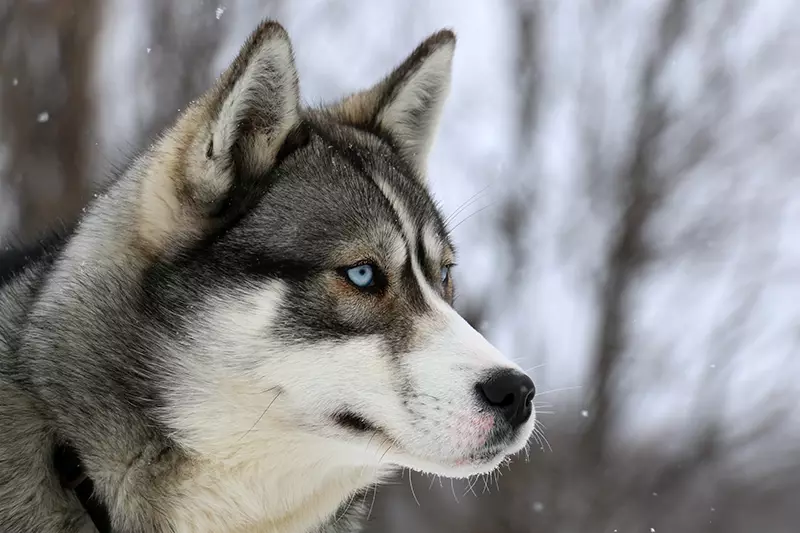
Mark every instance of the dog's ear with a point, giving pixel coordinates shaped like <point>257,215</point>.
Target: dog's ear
<point>256,102</point>
<point>406,105</point>
<point>230,135</point>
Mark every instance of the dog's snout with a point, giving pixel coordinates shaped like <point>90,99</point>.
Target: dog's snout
<point>511,393</point>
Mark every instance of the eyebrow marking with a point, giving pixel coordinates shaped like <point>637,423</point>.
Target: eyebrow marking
<point>399,208</point>
<point>429,296</point>
<point>418,251</point>
<point>433,245</point>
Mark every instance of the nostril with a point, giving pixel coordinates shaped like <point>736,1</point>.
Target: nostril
<point>507,401</point>
<point>529,397</point>
<point>509,392</point>
<point>495,396</point>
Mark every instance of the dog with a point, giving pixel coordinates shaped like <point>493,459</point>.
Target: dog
<point>252,326</point>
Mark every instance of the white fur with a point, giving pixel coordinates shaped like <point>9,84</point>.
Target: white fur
<point>254,465</point>
<point>278,454</point>
<point>255,410</point>
<point>450,357</point>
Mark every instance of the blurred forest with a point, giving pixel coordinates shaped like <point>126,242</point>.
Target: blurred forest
<point>624,182</point>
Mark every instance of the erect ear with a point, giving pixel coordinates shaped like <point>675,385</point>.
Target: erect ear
<point>407,104</point>
<point>224,141</point>
<point>256,101</point>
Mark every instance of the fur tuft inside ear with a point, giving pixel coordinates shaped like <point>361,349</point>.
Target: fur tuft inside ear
<point>407,104</point>
<point>230,135</point>
<point>257,101</point>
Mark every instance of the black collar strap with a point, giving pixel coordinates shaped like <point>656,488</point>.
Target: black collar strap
<point>72,476</point>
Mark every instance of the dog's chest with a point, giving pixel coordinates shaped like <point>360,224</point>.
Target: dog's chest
<point>259,497</point>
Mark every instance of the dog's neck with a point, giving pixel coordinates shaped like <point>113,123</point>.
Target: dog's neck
<point>282,489</point>
<point>262,496</point>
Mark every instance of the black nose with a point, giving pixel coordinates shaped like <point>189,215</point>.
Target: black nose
<point>511,393</point>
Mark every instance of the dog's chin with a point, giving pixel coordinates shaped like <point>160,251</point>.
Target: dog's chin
<point>478,462</point>
<point>460,468</point>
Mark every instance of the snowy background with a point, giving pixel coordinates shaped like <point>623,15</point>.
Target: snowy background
<point>623,179</point>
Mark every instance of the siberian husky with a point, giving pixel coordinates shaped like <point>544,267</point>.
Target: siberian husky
<point>252,326</point>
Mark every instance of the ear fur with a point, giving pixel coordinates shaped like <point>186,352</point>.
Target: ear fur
<point>407,104</point>
<point>233,131</point>
<point>257,100</point>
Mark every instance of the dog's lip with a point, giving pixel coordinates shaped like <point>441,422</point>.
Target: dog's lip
<point>477,458</point>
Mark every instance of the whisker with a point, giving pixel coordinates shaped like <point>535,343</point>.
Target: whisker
<point>470,486</point>
<point>344,513</point>
<point>539,394</point>
<point>262,415</point>
<point>374,492</point>
<point>535,436</point>
<point>484,208</point>
<point>453,489</point>
<point>472,199</point>
<point>535,367</point>
<point>540,433</point>
<point>367,448</point>
<point>388,449</point>
<point>411,484</point>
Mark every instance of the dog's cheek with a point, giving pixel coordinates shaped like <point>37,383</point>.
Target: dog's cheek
<point>323,377</point>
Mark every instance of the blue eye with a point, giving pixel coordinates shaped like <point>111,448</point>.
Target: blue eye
<point>445,274</point>
<point>361,275</point>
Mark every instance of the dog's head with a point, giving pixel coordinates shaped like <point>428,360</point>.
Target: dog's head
<point>314,275</point>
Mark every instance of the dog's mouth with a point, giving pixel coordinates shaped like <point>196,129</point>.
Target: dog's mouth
<point>353,422</point>
<point>487,457</point>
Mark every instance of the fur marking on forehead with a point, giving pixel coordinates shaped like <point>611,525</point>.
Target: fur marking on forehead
<point>399,207</point>
<point>431,241</point>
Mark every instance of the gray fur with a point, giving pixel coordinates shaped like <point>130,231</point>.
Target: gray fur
<point>247,189</point>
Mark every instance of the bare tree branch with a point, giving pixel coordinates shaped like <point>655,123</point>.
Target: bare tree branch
<point>639,196</point>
